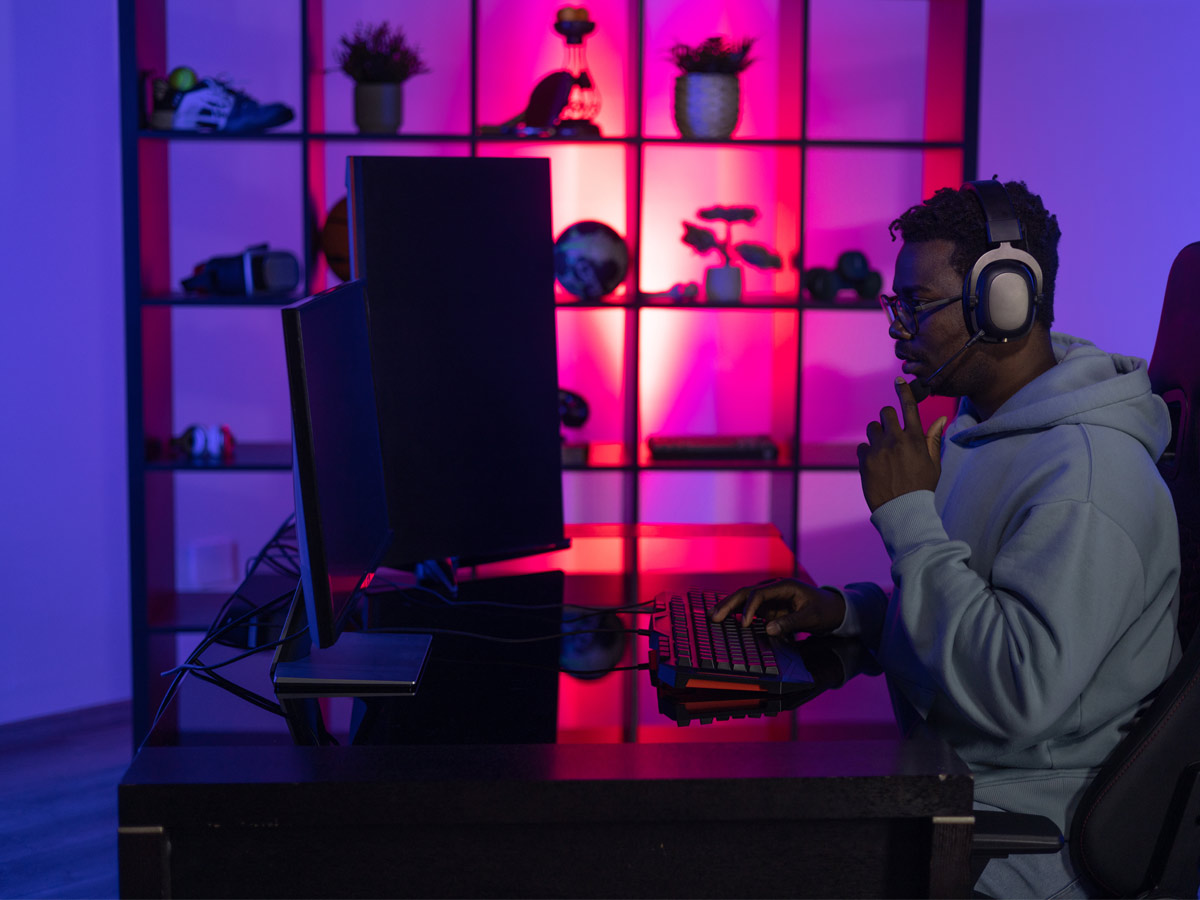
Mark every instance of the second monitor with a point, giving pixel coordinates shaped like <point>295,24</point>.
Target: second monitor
<point>457,256</point>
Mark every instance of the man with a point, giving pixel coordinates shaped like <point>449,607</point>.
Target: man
<point>1034,547</point>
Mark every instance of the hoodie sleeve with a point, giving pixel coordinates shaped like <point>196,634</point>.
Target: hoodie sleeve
<point>1011,654</point>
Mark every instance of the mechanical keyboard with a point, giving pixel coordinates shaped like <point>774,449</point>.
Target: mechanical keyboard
<point>689,651</point>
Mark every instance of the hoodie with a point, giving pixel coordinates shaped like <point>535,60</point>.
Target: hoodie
<point>1036,589</point>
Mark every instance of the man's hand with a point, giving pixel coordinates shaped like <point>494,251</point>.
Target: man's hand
<point>897,460</point>
<point>788,606</point>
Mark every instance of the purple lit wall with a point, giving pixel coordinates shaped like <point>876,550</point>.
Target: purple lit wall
<point>1093,102</point>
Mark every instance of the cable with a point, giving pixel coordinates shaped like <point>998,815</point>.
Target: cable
<point>636,608</point>
<point>560,669</point>
<point>240,692</point>
<point>644,632</point>
<point>289,566</point>
<point>194,667</point>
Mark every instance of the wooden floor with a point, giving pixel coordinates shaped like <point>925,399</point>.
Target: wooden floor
<point>58,803</point>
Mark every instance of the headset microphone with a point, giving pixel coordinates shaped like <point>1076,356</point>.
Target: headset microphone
<point>920,386</point>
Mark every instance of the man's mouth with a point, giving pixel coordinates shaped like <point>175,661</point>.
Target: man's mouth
<point>911,365</point>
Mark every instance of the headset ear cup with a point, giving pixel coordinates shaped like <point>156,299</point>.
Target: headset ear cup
<point>1000,299</point>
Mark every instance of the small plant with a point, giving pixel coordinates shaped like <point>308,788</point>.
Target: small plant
<point>376,54</point>
<point>713,56</point>
<point>704,239</point>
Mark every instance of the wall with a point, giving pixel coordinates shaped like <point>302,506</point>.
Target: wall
<point>63,529</point>
<point>1095,104</point>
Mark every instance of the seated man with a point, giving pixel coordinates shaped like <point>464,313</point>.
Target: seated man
<point>1034,547</point>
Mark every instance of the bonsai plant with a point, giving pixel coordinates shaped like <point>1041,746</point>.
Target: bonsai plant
<point>380,60</point>
<point>723,284</point>
<point>707,90</point>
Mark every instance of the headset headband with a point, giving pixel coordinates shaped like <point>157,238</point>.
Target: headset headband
<point>1001,218</point>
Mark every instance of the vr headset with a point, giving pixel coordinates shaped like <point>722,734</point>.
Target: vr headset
<point>257,270</point>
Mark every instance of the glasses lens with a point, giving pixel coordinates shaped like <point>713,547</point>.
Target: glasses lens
<point>899,311</point>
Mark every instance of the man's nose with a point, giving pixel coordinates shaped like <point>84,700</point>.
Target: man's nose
<point>898,332</point>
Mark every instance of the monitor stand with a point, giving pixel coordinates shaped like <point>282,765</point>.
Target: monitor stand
<point>358,665</point>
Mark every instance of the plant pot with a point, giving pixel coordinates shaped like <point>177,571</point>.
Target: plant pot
<point>378,108</point>
<point>707,105</point>
<point>723,284</point>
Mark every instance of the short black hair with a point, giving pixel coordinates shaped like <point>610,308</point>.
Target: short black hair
<point>955,215</point>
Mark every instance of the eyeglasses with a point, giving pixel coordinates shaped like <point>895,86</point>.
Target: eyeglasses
<point>907,312</point>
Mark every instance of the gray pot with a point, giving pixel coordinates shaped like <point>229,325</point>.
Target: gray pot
<point>707,105</point>
<point>723,284</point>
<point>378,108</point>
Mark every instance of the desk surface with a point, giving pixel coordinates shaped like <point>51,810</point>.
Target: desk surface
<point>453,816</point>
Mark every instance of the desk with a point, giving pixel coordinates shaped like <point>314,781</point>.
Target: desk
<point>870,818</point>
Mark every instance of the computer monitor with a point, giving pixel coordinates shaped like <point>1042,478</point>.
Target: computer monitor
<point>341,512</point>
<point>458,259</point>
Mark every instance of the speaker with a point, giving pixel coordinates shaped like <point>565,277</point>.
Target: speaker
<point>1002,291</point>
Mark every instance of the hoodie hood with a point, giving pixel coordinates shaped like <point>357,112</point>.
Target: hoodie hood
<point>1088,387</point>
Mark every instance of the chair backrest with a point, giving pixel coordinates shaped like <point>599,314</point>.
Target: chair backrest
<point>1118,828</point>
<point>1175,376</point>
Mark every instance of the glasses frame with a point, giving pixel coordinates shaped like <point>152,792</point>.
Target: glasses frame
<point>901,309</point>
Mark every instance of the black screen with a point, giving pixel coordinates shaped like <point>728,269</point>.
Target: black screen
<point>458,258</point>
<point>341,512</point>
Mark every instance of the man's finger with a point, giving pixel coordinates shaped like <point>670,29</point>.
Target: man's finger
<point>729,604</point>
<point>908,405</point>
<point>753,602</point>
<point>933,439</point>
<point>788,624</point>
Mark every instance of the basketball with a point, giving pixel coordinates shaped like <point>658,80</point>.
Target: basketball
<point>335,240</point>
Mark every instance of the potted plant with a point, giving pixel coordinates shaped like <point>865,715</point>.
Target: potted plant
<point>379,60</point>
<point>707,90</point>
<point>723,284</point>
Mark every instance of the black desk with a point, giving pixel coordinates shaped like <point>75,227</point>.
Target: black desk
<point>869,818</point>
<point>821,819</point>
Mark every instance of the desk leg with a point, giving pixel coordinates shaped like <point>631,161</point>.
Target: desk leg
<point>144,861</point>
<point>950,857</point>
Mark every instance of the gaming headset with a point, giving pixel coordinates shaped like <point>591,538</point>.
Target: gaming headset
<point>1002,291</point>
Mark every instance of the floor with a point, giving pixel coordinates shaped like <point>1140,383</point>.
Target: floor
<point>58,803</point>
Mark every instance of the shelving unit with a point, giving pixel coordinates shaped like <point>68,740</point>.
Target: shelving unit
<point>801,151</point>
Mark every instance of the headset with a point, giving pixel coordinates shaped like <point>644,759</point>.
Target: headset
<point>257,270</point>
<point>1002,291</point>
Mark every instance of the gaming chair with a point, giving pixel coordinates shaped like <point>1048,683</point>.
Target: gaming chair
<point>1136,831</point>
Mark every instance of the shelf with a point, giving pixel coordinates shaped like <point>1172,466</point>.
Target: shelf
<point>204,301</point>
<point>247,457</point>
<point>462,137</point>
<point>630,179</point>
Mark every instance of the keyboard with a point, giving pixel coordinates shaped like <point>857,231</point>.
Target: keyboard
<point>689,651</point>
<point>712,447</point>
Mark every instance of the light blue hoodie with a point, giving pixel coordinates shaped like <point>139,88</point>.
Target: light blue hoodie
<point>1036,590</point>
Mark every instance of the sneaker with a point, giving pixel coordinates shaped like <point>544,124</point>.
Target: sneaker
<point>213,105</point>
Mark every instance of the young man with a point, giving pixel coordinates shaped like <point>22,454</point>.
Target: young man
<point>1034,547</point>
